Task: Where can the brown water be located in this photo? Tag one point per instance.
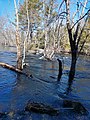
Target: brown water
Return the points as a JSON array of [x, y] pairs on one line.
[[17, 90]]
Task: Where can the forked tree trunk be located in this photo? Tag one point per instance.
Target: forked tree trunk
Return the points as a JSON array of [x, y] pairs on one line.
[[74, 37], [74, 49]]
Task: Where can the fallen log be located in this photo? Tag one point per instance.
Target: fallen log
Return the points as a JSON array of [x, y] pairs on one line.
[[41, 108], [5, 65]]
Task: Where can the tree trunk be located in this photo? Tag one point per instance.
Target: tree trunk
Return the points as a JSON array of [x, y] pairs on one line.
[[72, 44], [73, 67], [18, 40], [19, 52], [45, 44]]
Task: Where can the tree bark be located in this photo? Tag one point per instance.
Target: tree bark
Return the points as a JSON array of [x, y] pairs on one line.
[[73, 67], [72, 43], [19, 51], [18, 40]]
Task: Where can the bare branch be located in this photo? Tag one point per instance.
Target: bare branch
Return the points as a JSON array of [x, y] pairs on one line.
[[83, 44], [79, 38], [80, 18], [61, 5], [77, 11], [15, 24], [83, 9], [83, 6], [76, 32], [62, 15]]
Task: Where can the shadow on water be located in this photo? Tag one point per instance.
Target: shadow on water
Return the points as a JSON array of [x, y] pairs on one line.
[[16, 90]]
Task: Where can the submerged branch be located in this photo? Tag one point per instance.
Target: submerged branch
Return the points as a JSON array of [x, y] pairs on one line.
[[5, 65]]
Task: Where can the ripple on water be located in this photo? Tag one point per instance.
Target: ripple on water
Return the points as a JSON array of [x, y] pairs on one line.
[[16, 90], [7, 80]]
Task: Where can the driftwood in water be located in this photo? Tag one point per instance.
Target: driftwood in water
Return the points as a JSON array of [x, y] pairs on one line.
[[14, 69], [41, 108], [60, 70]]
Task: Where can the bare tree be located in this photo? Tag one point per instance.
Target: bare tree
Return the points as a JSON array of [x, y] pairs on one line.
[[75, 31], [18, 39], [49, 13], [27, 32]]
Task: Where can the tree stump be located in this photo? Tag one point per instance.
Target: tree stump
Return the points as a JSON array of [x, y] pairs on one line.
[[60, 70]]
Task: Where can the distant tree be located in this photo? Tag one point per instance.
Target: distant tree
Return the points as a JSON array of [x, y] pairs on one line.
[[4, 39], [7, 32], [49, 12], [29, 16], [35, 16]]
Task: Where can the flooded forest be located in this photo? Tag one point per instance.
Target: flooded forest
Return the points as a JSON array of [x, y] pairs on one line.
[[45, 60]]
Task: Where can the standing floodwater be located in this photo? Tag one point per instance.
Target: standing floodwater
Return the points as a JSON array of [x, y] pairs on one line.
[[16, 90]]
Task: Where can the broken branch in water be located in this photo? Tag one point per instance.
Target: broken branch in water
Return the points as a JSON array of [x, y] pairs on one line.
[[14, 69], [60, 70]]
